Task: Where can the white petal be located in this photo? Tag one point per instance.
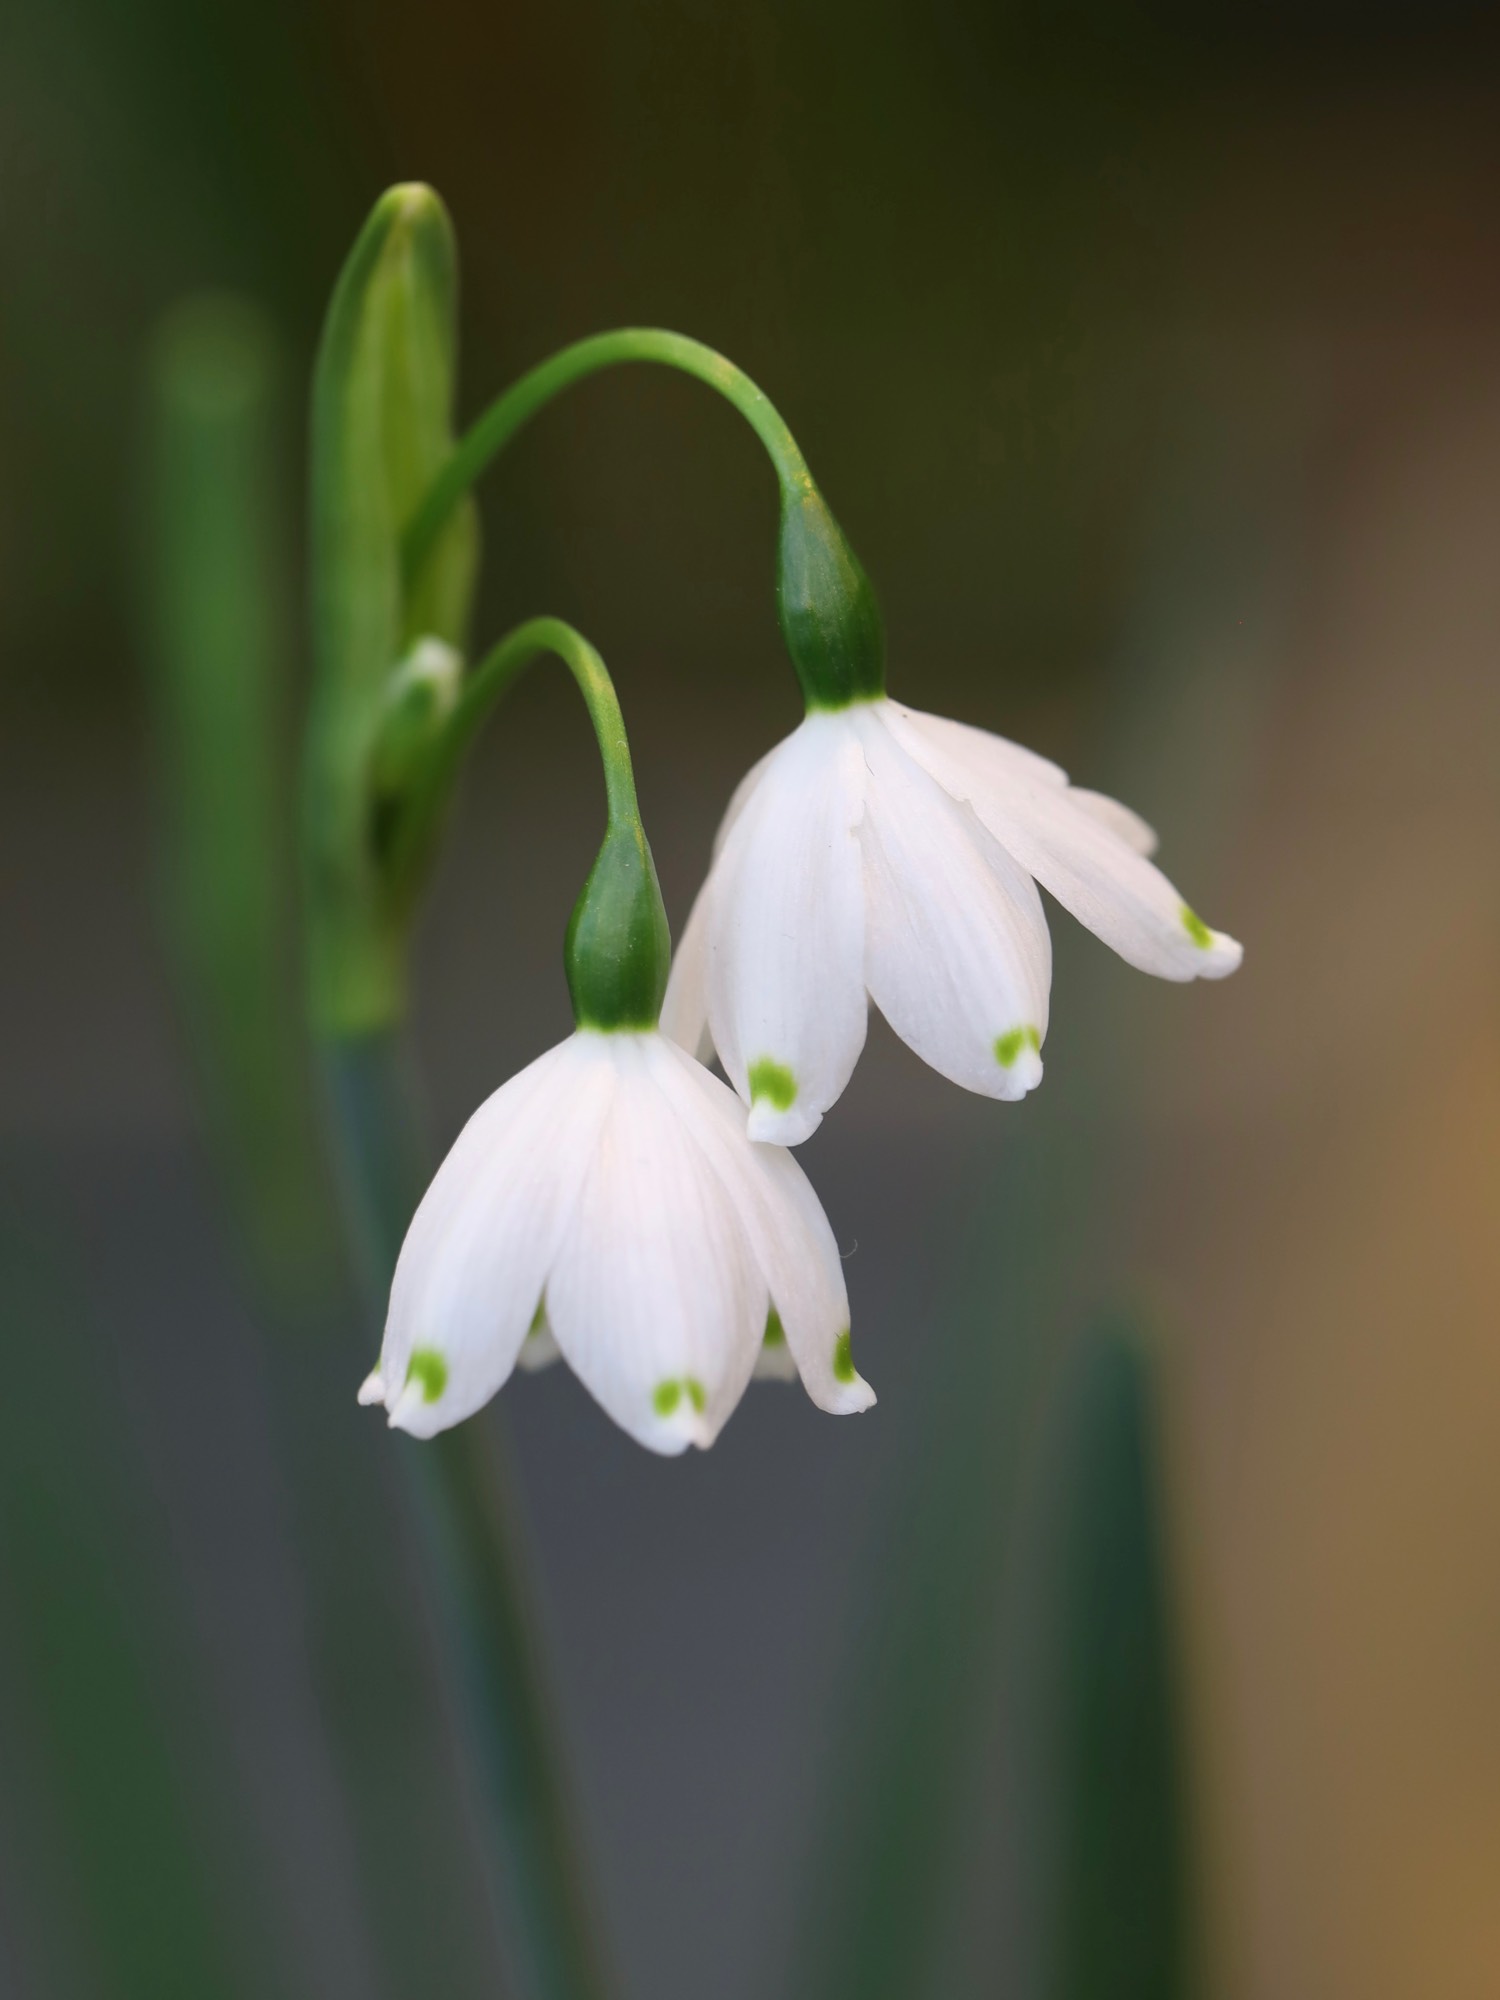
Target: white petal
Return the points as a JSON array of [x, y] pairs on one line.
[[786, 997], [957, 953], [475, 1259], [684, 1012], [1129, 826], [985, 758], [654, 1298], [789, 1235], [1120, 895], [740, 797], [1100, 876]]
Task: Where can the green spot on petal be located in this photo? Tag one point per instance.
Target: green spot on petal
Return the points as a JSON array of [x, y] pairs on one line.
[[668, 1396], [696, 1394], [429, 1368], [539, 1317], [843, 1358], [775, 1333], [772, 1080], [1196, 929], [1010, 1045]]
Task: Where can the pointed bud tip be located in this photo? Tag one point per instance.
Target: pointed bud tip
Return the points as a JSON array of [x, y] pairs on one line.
[[411, 202]]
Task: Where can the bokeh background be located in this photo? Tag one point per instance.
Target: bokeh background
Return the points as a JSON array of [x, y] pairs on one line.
[[1151, 358]]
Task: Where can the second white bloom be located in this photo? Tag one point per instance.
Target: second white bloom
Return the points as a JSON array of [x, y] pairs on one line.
[[881, 854]]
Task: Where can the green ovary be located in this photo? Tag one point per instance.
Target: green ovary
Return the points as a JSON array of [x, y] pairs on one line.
[[1196, 929], [773, 1081], [429, 1368], [1009, 1046]]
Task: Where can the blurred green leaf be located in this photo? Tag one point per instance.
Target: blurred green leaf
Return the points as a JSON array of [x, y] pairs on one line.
[[1099, 1793], [917, 1697], [147, 1864], [1019, 1581], [216, 574]]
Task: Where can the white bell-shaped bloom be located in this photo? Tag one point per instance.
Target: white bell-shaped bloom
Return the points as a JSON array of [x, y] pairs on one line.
[[606, 1204], [880, 854]]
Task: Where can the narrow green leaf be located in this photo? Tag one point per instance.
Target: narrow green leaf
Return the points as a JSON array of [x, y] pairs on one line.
[[888, 1854], [1098, 1798], [218, 642], [131, 1841]]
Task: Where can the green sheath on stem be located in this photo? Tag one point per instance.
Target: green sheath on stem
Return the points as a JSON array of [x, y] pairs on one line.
[[381, 429]]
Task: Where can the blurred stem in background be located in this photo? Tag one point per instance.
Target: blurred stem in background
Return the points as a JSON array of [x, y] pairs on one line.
[[460, 1487], [218, 613], [216, 575], [129, 1860], [1022, 1550], [1102, 1833]]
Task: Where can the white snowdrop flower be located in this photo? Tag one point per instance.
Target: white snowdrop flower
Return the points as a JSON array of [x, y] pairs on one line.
[[607, 1205], [881, 854]]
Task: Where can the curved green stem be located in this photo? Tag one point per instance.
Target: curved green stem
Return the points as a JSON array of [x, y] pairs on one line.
[[504, 663], [431, 786], [518, 404]]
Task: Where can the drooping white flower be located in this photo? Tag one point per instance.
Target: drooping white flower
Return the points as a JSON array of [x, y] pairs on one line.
[[607, 1204], [881, 854]]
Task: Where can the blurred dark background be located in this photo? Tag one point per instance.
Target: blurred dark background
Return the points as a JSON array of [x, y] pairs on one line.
[[1151, 359]]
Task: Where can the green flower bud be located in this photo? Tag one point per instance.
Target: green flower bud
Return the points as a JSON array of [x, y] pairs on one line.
[[829, 617], [420, 696], [381, 428], [619, 950]]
